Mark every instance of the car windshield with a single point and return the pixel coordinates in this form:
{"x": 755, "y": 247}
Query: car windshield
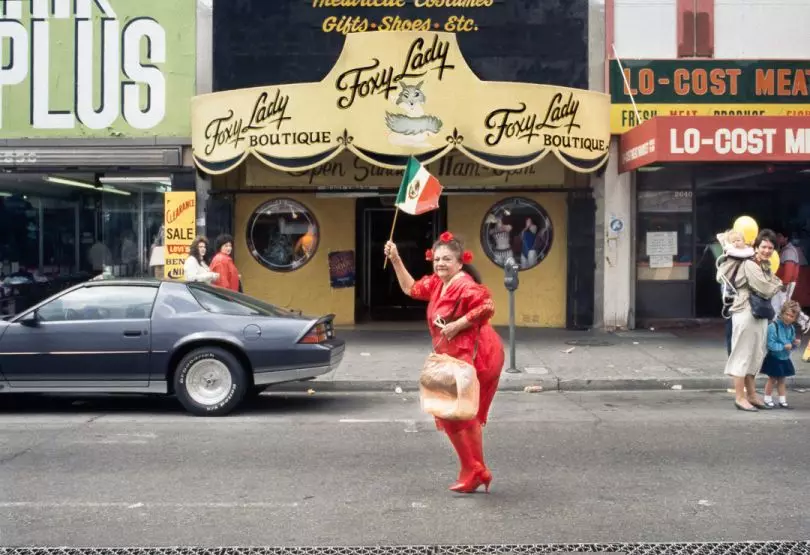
{"x": 224, "y": 301}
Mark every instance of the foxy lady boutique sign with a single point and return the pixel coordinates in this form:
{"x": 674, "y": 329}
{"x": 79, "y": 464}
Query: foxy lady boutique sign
{"x": 96, "y": 68}
{"x": 394, "y": 95}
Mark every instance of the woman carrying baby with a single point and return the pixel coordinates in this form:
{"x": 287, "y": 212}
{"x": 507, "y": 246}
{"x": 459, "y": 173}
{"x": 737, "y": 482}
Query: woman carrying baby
{"x": 748, "y": 341}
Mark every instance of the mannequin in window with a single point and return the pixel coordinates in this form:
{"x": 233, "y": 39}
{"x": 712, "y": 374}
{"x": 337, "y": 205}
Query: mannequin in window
{"x": 99, "y": 256}
{"x": 305, "y": 245}
{"x": 499, "y": 234}
{"x": 528, "y": 254}
{"x": 129, "y": 254}
{"x": 157, "y": 256}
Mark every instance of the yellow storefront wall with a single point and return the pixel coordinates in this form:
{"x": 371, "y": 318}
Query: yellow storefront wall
{"x": 540, "y": 301}
{"x": 308, "y": 288}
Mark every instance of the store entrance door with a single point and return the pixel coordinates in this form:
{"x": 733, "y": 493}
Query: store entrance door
{"x": 379, "y": 297}
{"x": 132, "y": 216}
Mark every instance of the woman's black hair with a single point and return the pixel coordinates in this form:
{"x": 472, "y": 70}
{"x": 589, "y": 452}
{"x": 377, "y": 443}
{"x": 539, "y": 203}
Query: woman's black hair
{"x": 765, "y": 235}
{"x": 223, "y": 240}
{"x": 456, "y": 247}
{"x": 473, "y": 272}
{"x": 194, "y": 250}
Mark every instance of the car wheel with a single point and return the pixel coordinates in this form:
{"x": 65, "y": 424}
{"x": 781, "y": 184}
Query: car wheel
{"x": 210, "y": 381}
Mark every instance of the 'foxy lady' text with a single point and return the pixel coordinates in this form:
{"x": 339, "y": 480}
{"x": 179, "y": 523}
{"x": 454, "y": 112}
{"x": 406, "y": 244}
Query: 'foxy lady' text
{"x": 365, "y": 80}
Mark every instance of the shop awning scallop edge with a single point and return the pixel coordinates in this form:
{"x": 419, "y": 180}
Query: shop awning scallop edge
{"x": 393, "y": 162}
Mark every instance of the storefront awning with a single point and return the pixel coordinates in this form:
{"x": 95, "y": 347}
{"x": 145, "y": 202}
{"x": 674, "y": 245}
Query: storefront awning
{"x": 716, "y": 139}
{"x": 392, "y": 95}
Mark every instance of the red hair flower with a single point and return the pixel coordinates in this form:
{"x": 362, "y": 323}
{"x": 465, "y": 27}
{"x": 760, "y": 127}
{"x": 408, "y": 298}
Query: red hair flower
{"x": 429, "y": 255}
{"x": 467, "y": 257}
{"x": 446, "y": 237}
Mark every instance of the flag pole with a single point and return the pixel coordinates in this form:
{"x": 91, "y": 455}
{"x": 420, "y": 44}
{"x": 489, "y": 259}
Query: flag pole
{"x": 627, "y": 85}
{"x": 391, "y": 237}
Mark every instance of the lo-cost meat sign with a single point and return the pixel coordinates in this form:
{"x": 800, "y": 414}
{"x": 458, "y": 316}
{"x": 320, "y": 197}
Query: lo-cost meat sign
{"x": 715, "y": 139}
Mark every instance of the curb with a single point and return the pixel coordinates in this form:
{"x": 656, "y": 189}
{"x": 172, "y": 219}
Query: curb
{"x": 720, "y": 383}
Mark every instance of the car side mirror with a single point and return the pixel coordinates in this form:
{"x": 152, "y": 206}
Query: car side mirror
{"x": 30, "y": 320}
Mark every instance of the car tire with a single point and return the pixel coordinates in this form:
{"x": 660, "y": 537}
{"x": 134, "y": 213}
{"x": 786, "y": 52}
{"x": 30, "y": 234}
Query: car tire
{"x": 210, "y": 381}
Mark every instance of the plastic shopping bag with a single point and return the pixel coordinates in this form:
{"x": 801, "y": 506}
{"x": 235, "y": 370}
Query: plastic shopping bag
{"x": 449, "y": 388}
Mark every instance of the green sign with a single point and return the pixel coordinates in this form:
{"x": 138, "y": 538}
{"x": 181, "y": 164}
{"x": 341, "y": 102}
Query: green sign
{"x": 712, "y": 81}
{"x": 708, "y": 87}
{"x": 97, "y": 68}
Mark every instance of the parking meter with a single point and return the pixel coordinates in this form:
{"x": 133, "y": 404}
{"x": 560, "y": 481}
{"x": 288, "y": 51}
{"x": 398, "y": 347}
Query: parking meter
{"x": 510, "y": 278}
{"x": 511, "y": 282}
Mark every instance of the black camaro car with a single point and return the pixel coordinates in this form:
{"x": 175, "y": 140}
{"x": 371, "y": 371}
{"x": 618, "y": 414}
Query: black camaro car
{"x": 207, "y": 345}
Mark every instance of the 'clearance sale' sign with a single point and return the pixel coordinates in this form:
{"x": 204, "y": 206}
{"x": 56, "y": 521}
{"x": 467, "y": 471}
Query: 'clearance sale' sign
{"x": 716, "y": 139}
{"x": 179, "y": 224}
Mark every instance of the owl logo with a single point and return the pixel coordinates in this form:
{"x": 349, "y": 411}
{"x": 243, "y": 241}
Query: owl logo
{"x": 414, "y": 127}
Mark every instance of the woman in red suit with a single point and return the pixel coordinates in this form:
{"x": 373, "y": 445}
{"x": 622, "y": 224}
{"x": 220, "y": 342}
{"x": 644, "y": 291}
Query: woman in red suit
{"x": 458, "y": 315}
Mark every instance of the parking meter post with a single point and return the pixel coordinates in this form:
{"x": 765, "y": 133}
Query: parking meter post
{"x": 512, "y": 367}
{"x": 511, "y": 282}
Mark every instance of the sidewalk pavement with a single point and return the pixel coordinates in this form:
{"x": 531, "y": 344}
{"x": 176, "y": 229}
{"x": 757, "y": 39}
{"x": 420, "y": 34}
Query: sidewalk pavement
{"x": 384, "y": 358}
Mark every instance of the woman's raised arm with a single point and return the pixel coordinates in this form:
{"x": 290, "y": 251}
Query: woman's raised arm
{"x": 404, "y": 278}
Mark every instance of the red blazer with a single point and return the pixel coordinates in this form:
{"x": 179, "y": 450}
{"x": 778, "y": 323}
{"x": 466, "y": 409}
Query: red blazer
{"x": 228, "y": 274}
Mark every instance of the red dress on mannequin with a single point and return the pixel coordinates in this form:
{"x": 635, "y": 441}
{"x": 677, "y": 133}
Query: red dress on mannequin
{"x": 479, "y": 345}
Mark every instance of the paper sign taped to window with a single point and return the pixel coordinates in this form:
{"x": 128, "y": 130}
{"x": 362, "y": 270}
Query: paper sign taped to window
{"x": 662, "y": 242}
{"x": 660, "y": 261}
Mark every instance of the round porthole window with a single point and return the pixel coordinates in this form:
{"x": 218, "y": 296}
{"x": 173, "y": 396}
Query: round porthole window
{"x": 283, "y": 235}
{"x": 517, "y": 227}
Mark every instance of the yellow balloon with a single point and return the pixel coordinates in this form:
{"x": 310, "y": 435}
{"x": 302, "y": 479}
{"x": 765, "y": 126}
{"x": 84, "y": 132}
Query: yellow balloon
{"x": 748, "y": 227}
{"x": 774, "y": 262}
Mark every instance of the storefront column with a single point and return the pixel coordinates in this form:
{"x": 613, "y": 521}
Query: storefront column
{"x": 615, "y": 214}
{"x": 202, "y": 186}
{"x": 205, "y": 79}
{"x": 598, "y": 186}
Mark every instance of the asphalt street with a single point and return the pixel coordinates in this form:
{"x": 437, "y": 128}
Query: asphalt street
{"x": 363, "y": 469}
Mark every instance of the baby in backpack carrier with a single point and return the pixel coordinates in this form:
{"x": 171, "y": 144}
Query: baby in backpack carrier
{"x": 734, "y": 247}
{"x": 733, "y": 243}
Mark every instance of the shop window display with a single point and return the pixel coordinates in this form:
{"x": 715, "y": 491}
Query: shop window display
{"x": 520, "y": 228}
{"x": 56, "y": 231}
{"x": 283, "y": 235}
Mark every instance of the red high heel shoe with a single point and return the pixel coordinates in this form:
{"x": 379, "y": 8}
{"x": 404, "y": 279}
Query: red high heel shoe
{"x": 473, "y": 471}
{"x": 486, "y": 478}
{"x": 481, "y": 477}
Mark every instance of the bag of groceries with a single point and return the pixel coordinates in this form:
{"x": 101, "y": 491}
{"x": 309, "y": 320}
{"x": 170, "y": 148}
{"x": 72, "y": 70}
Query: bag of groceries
{"x": 449, "y": 388}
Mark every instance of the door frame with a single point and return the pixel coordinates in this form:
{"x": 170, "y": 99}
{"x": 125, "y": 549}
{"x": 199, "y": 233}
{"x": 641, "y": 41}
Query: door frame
{"x": 365, "y": 248}
{"x": 364, "y": 211}
{"x": 581, "y": 253}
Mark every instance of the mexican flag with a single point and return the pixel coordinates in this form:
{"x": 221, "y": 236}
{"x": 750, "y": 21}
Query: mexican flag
{"x": 419, "y": 191}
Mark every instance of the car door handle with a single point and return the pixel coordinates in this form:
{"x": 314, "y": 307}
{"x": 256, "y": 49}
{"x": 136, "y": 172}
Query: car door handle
{"x": 133, "y": 333}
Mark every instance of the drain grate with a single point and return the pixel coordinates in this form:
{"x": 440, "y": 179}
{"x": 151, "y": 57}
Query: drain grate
{"x": 729, "y": 548}
{"x": 589, "y": 343}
